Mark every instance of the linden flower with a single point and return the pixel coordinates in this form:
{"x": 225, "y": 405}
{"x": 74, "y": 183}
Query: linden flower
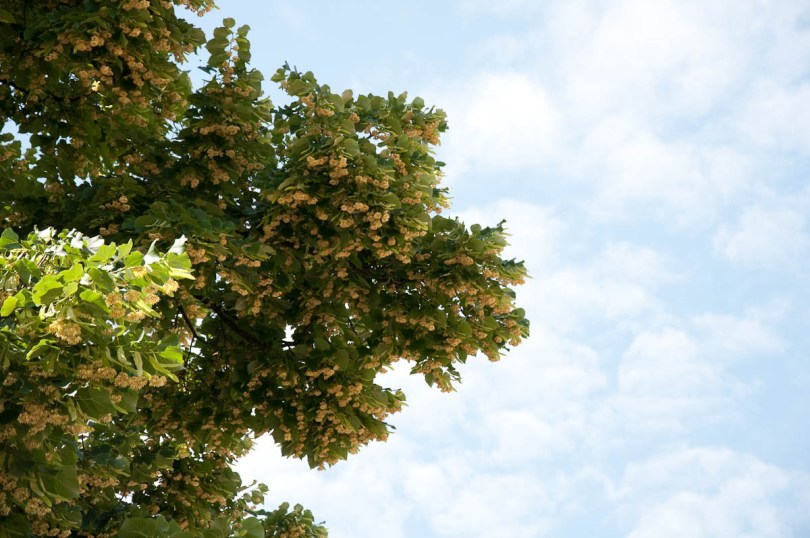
{"x": 70, "y": 333}
{"x": 135, "y": 316}
{"x": 170, "y": 286}
{"x": 132, "y": 295}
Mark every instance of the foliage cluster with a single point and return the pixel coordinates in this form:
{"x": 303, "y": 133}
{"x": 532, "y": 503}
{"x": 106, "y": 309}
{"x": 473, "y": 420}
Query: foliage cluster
{"x": 138, "y": 366}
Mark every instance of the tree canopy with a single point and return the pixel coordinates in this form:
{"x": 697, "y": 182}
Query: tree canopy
{"x": 184, "y": 269}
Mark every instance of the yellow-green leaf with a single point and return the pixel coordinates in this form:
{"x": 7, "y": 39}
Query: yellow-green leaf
{"x": 8, "y": 306}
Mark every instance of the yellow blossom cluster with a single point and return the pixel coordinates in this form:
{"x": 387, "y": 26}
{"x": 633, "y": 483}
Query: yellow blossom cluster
{"x": 197, "y": 255}
{"x": 38, "y": 416}
{"x": 338, "y": 168}
{"x": 170, "y": 286}
{"x": 66, "y": 331}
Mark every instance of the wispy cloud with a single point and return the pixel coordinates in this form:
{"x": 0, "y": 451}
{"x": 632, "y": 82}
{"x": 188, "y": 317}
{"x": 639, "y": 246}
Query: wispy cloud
{"x": 712, "y": 492}
{"x": 773, "y": 237}
{"x": 499, "y": 121}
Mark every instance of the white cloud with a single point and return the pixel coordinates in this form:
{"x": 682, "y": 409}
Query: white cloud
{"x": 644, "y": 100}
{"x": 617, "y": 283}
{"x": 646, "y": 108}
{"x": 643, "y": 265}
{"x": 665, "y": 383}
{"x": 766, "y": 237}
{"x": 503, "y": 8}
{"x": 778, "y": 116}
{"x": 499, "y": 121}
{"x": 480, "y": 503}
{"x": 661, "y": 364}
{"x": 574, "y": 297}
{"x": 640, "y": 175}
{"x": 727, "y": 337}
{"x": 712, "y": 493}
{"x": 538, "y": 403}
{"x": 678, "y": 377}
{"x": 657, "y": 59}
{"x": 534, "y": 405}
{"x": 358, "y": 498}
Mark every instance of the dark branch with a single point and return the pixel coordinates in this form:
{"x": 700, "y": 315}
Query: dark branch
{"x": 189, "y": 324}
{"x": 230, "y": 322}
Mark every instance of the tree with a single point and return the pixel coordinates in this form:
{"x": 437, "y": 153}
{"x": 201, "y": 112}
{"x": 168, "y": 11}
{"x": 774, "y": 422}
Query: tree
{"x": 185, "y": 269}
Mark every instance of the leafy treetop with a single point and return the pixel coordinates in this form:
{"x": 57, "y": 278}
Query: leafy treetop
{"x": 138, "y": 364}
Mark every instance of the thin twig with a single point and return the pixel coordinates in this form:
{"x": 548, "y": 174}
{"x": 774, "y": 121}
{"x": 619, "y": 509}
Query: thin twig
{"x": 188, "y": 322}
{"x": 245, "y": 335}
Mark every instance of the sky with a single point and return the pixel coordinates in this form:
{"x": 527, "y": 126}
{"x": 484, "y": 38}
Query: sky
{"x": 651, "y": 158}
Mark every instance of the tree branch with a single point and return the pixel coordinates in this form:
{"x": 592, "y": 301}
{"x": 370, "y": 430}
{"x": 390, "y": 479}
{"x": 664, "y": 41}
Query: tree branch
{"x": 230, "y": 322}
{"x": 188, "y": 322}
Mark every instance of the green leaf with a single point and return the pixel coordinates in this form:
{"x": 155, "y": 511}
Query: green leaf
{"x": 464, "y": 328}
{"x": 63, "y": 485}
{"x": 141, "y": 527}
{"x": 70, "y": 289}
{"x": 173, "y": 354}
{"x": 221, "y": 37}
{"x": 124, "y": 249}
{"x": 9, "y": 235}
{"x": 47, "y": 290}
{"x": 337, "y": 101}
{"x": 42, "y": 348}
{"x": 28, "y": 271}
{"x": 215, "y": 60}
{"x": 129, "y": 401}
{"x": 6, "y": 16}
{"x": 104, "y": 253}
{"x": 8, "y": 306}
{"x": 392, "y": 200}
{"x": 134, "y": 259}
{"x": 9, "y": 240}
{"x": 138, "y": 360}
{"x": 351, "y": 147}
{"x": 364, "y": 102}
{"x": 71, "y": 407}
{"x": 491, "y": 323}
{"x": 102, "y": 279}
{"x": 251, "y": 528}
{"x": 94, "y": 402}
{"x": 91, "y": 296}
{"x": 298, "y": 87}
{"x": 475, "y": 245}
{"x": 179, "y": 265}
{"x": 15, "y": 526}
{"x": 342, "y": 359}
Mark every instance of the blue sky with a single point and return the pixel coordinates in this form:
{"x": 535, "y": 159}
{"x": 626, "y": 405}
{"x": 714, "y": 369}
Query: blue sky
{"x": 652, "y": 159}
